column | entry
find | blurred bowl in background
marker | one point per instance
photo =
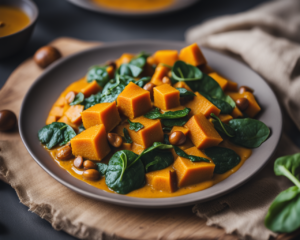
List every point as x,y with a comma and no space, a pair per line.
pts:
12,43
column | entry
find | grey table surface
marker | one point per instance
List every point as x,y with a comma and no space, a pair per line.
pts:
59,18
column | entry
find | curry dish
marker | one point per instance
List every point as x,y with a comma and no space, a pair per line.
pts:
153,126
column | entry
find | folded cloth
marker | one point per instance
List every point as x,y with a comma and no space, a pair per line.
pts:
266,38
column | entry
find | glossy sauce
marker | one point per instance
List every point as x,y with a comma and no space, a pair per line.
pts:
12,20
147,191
135,5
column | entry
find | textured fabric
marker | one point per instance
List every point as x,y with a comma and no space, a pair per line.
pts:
266,38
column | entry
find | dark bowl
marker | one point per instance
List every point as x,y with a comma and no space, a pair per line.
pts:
11,44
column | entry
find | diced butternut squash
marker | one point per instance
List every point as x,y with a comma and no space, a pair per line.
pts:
151,61
206,69
111,71
50,119
223,82
134,101
182,85
91,144
57,112
60,102
125,58
137,149
189,173
66,107
202,132
168,57
152,132
160,72
76,86
236,112
66,120
184,130
225,118
101,113
192,55
74,113
163,180
173,109
126,146
231,86
253,107
91,88
200,104
166,97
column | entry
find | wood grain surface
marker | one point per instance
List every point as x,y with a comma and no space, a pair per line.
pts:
176,223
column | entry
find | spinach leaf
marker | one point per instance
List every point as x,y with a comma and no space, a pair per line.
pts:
224,158
92,100
102,167
135,126
174,122
283,214
157,160
127,138
166,139
167,129
224,106
221,127
185,72
81,128
121,179
192,158
156,114
185,93
99,74
129,70
142,82
56,133
79,98
249,133
140,60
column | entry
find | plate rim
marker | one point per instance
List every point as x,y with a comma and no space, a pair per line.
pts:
127,202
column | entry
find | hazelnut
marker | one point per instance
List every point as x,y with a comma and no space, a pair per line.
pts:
243,89
115,139
46,55
177,138
8,120
149,87
88,164
242,103
166,80
91,174
78,162
64,153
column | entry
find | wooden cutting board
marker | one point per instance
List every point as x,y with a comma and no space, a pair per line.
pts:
177,223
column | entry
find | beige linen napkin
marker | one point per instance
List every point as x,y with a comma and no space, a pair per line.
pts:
266,39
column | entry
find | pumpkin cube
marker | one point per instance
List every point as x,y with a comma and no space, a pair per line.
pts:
74,113
111,71
91,88
200,104
223,82
50,119
125,58
182,85
253,107
152,132
225,118
60,102
160,72
137,149
206,69
189,173
101,113
202,132
168,57
192,55
126,146
166,97
163,180
76,86
66,120
184,130
231,86
236,112
57,112
134,101
91,144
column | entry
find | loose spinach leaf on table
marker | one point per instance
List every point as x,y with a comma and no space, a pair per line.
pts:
102,167
249,133
99,74
121,178
185,93
283,214
156,114
174,122
204,84
157,160
224,158
192,158
221,127
56,133
135,126
127,138
79,98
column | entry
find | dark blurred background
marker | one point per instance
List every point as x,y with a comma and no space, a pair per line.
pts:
59,18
